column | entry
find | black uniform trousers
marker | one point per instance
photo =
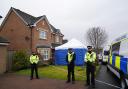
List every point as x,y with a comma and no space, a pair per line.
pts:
90,70
71,72
34,68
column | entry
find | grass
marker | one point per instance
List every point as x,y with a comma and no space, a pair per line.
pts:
57,72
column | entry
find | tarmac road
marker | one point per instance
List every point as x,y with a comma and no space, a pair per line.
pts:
106,80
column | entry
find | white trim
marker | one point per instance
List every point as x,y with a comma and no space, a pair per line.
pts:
107,84
44,17
12,9
48,23
44,36
20,17
114,71
9,12
39,20
4,44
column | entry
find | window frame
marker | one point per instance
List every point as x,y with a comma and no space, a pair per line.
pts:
114,50
42,34
45,54
57,39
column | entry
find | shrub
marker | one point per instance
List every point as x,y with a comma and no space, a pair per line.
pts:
20,60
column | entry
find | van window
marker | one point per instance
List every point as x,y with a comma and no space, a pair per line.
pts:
124,48
106,52
116,48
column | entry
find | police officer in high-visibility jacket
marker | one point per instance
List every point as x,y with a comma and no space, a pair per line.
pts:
70,59
34,59
90,58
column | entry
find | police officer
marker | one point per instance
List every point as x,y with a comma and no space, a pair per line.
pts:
70,59
34,59
90,58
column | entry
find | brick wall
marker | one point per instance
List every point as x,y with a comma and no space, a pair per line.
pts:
54,39
36,40
16,32
3,59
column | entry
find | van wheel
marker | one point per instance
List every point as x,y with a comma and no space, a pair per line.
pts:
123,84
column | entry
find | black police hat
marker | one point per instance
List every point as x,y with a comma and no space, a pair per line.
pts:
69,48
89,47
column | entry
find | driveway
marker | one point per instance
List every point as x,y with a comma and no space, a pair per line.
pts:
12,81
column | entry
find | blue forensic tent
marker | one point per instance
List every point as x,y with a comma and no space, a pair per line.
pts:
78,48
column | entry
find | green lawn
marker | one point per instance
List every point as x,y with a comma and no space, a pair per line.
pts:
57,72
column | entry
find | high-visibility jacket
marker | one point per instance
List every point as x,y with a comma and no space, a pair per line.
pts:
91,57
70,56
34,59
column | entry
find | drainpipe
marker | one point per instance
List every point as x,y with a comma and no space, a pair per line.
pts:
31,26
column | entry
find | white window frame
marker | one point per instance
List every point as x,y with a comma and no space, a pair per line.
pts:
45,54
57,39
43,35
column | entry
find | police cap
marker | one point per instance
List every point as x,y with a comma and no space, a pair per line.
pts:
89,47
69,48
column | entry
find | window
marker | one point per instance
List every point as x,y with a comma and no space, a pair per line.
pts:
43,35
115,48
45,54
57,38
124,48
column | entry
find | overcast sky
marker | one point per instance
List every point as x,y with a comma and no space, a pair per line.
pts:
75,17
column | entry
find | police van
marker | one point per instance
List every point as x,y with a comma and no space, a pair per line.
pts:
105,56
118,59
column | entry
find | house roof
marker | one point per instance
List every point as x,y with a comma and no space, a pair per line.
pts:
3,40
29,19
54,29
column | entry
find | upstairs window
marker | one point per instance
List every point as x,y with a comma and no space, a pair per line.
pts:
43,35
57,39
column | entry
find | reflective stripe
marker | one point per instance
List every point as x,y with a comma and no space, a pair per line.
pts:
110,60
117,62
70,57
90,57
34,59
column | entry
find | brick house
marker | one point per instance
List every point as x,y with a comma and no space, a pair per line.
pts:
26,32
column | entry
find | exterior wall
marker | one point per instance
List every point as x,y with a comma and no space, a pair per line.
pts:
3,59
61,39
16,32
36,40
54,39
